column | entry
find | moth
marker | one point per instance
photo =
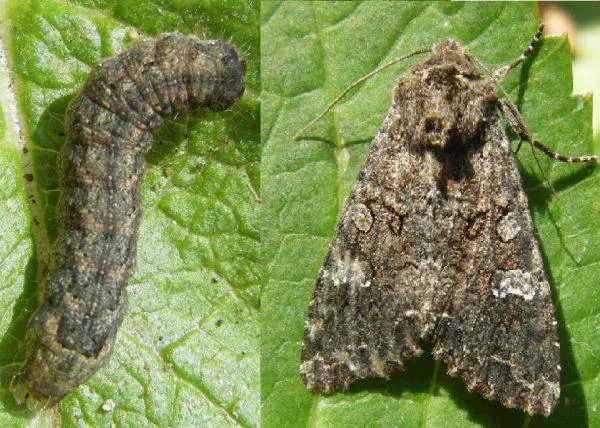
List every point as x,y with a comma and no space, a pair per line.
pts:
436,246
110,124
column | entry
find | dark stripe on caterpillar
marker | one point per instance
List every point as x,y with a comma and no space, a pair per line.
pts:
109,126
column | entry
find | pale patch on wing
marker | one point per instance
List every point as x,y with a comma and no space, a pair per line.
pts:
509,227
515,282
348,270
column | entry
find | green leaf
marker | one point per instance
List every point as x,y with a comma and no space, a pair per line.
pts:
187,353
310,52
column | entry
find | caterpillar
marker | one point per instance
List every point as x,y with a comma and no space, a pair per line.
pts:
109,126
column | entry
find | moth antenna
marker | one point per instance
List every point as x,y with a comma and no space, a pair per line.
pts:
501,73
366,77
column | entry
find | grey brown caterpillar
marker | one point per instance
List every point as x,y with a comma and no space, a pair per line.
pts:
110,125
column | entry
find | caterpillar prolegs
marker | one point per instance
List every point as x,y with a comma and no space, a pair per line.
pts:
110,125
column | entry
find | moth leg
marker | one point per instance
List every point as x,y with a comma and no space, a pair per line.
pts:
514,118
517,124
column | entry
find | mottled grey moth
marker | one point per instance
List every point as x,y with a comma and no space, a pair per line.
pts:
109,126
436,245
